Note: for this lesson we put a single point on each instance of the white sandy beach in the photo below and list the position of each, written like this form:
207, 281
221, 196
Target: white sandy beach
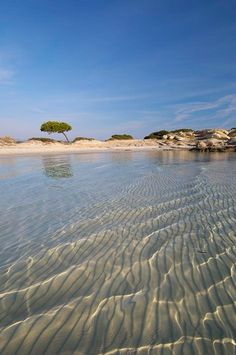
206, 140
34, 147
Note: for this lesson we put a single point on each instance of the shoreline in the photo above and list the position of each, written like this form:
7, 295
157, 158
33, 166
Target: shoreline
34, 147
45, 150
207, 143
16, 151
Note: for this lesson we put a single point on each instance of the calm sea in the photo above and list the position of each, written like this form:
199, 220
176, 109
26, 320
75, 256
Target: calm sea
118, 253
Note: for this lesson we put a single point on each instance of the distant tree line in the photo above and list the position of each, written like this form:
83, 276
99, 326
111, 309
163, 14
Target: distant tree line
62, 127
160, 134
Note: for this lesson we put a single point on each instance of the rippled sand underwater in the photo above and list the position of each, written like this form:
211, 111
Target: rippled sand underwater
118, 253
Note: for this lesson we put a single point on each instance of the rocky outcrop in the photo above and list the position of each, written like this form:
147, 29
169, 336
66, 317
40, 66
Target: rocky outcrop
202, 146
204, 140
215, 140
186, 135
210, 145
169, 136
180, 136
219, 134
232, 134
232, 141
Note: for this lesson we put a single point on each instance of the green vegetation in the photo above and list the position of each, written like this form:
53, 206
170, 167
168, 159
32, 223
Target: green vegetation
120, 137
58, 169
182, 130
56, 127
160, 134
157, 135
83, 139
42, 139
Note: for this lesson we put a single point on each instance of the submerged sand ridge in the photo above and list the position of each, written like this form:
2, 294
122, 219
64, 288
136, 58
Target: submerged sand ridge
151, 270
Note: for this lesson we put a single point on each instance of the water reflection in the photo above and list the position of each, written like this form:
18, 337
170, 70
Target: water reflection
122, 157
176, 157
57, 167
8, 167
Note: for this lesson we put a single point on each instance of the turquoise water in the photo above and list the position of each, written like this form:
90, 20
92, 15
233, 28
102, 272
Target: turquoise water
118, 253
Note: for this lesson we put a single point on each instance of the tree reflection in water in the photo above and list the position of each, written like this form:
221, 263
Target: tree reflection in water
57, 167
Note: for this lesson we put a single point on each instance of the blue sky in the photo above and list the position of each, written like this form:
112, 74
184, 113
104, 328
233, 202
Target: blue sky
117, 66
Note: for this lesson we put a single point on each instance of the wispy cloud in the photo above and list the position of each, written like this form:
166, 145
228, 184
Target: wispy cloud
38, 110
119, 98
221, 110
6, 76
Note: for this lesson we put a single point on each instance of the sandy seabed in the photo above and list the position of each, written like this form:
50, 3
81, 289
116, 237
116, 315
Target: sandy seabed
149, 270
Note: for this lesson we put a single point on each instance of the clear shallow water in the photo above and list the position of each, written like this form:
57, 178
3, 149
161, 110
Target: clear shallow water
118, 253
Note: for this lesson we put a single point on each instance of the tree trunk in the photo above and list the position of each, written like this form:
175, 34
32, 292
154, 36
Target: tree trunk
65, 136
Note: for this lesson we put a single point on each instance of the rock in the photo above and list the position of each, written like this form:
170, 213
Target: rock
215, 145
232, 134
222, 136
201, 145
169, 136
219, 134
180, 139
232, 141
187, 135
181, 143
218, 130
210, 145
213, 142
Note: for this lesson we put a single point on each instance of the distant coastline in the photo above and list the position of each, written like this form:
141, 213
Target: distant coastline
212, 140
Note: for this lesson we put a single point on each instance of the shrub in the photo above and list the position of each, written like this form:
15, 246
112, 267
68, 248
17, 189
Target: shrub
182, 130
157, 135
42, 139
120, 136
83, 139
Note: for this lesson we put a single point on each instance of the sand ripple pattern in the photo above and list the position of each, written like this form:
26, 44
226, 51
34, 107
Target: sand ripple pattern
151, 271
